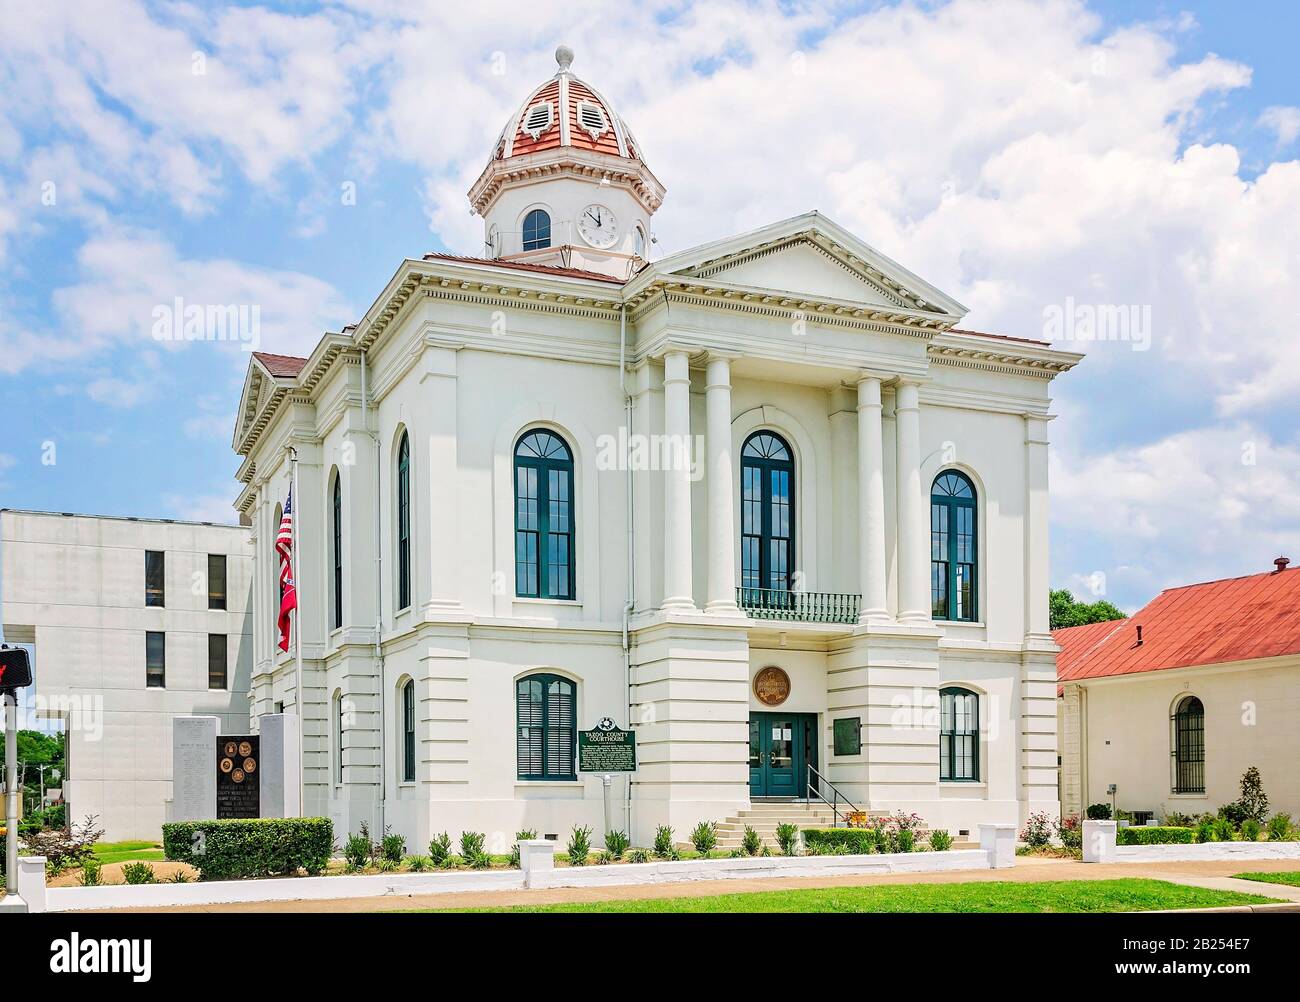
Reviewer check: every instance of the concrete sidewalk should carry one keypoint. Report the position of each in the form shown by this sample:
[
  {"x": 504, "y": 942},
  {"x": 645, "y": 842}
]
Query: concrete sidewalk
[{"x": 1209, "y": 873}]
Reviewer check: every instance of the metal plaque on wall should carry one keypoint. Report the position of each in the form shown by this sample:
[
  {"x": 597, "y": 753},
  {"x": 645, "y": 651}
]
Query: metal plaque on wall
[{"x": 238, "y": 793}]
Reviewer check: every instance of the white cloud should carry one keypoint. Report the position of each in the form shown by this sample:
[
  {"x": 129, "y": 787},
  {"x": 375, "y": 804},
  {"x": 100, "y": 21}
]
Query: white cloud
[
  {"x": 202, "y": 507},
  {"x": 1283, "y": 120},
  {"x": 117, "y": 392}
]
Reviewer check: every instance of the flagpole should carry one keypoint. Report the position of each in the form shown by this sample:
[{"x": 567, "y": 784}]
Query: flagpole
[{"x": 299, "y": 696}]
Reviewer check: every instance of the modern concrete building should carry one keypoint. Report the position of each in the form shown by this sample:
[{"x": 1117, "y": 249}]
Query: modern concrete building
[
  {"x": 760, "y": 500},
  {"x": 133, "y": 621},
  {"x": 1174, "y": 704}
]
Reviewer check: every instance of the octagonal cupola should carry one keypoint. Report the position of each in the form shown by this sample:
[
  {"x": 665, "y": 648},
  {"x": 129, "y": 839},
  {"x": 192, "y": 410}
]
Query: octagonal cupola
[{"x": 566, "y": 184}]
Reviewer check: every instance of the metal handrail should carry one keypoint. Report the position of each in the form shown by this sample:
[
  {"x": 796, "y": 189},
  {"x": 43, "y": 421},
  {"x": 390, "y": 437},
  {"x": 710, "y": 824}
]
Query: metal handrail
[
  {"x": 800, "y": 606},
  {"x": 832, "y": 804}
]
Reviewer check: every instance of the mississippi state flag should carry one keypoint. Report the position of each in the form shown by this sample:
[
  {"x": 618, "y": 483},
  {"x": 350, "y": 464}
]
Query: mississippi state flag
[{"x": 288, "y": 593}]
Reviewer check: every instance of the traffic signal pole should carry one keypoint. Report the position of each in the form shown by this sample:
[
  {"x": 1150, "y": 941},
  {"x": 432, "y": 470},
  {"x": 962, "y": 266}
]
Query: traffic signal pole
[{"x": 11, "y": 792}]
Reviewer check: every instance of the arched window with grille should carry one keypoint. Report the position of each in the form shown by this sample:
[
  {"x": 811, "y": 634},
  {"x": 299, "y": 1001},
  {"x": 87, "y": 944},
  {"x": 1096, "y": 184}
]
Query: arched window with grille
[
  {"x": 404, "y": 522},
  {"x": 537, "y": 230},
  {"x": 953, "y": 547},
  {"x": 546, "y": 717},
  {"x": 408, "y": 731},
  {"x": 1189, "y": 746},
  {"x": 959, "y": 735},
  {"x": 767, "y": 518},
  {"x": 544, "y": 517}
]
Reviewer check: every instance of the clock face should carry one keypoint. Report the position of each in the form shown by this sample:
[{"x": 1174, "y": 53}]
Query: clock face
[{"x": 598, "y": 226}]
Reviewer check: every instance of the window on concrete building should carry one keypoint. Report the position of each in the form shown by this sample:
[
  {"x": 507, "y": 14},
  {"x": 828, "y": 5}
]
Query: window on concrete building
[
  {"x": 544, "y": 517},
  {"x": 336, "y": 553},
  {"x": 1189, "y": 746},
  {"x": 404, "y": 522},
  {"x": 155, "y": 660},
  {"x": 766, "y": 517},
  {"x": 155, "y": 574},
  {"x": 408, "y": 731},
  {"x": 216, "y": 661},
  {"x": 216, "y": 580},
  {"x": 546, "y": 712},
  {"x": 537, "y": 230},
  {"x": 959, "y": 735},
  {"x": 952, "y": 547}
]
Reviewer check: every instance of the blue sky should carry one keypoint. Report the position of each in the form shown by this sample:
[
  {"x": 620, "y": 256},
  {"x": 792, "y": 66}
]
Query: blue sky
[{"x": 1016, "y": 154}]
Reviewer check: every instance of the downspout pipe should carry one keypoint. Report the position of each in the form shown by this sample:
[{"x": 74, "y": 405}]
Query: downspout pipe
[
  {"x": 366, "y": 406},
  {"x": 631, "y": 548}
]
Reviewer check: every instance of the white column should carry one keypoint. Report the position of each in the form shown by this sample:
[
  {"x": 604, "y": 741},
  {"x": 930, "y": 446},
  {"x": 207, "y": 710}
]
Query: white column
[
  {"x": 677, "y": 482},
  {"x": 1037, "y": 566},
  {"x": 871, "y": 503},
  {"x": 913, "y": 597},
  {"x": 722, "y": 530}
]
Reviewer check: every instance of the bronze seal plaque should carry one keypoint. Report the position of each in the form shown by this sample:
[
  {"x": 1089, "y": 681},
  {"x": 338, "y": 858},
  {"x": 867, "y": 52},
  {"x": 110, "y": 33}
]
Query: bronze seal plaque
[{"x": 772, "y": 686}]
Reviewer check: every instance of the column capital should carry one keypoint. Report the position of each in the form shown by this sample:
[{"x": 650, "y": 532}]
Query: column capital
[{"x": 718, "y": 371}]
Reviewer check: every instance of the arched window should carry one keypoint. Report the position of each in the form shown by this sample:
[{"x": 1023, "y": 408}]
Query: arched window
[
  {"x": 408, "y": 731},
  {"x": 1189, "y": 746},
  {"x": 336, "y": 551},
  {"x": 338, "y": 736},
  {"x": 959, "y": 735},
  {"x": 543, "y": 517},
  {"x": 766, "y": 514},
  {"x": 952, "y": 547},
  {"x": 546, "y": 713},
  {"x": 537, "y": 230},
  {"x": 638, "y": 242},
  {"x": 404, "y": 522}
]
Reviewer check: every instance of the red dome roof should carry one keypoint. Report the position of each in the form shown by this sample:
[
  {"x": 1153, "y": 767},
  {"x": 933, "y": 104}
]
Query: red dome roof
[{"x": 565, "y": 112}]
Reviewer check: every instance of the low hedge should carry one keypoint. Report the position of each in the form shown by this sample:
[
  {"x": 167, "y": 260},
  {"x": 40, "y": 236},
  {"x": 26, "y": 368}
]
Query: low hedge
[
  {"x": 858, "y": 841},
  {"x": 1155, "y": 835},
  {"x": 256, "y": 847}
]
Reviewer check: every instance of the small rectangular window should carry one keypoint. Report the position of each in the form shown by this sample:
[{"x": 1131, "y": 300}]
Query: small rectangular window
[
  {"x": 216, "y": 661},
  {"x": 155, "y": 660},
  {"x": 216, "y": 580},
  {"x": 155, "y": 574}
]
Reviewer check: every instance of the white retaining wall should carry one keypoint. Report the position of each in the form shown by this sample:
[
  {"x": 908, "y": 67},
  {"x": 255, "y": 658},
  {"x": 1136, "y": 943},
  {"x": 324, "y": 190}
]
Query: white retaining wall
[{"x": 1099, "y": 846}]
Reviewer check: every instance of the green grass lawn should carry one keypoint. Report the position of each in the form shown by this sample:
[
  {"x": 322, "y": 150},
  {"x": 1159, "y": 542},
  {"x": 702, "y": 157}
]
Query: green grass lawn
[
  {"x": 1126, "y": 895},
  {"x": 1291, "y": 878},
  {"x": 122, "y": 852}
]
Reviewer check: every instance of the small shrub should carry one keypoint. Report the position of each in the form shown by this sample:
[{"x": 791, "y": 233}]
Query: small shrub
[
  {"x": 1254, "y": 801},
  {"x": 480, "y": 860},
  {"x": 356, "y": 852},
  {"x": 579, "y": 847},
  {"x": 616, "y": 843},
  {"x": 1070, "y": 832},
  {"x": 665, "y": 848},
  {"x": 1279, "y": 827},
  {"x": 736, "y": 854},
  {"x": 393, "y": 848},
  {"x": 906, "y": 840},
  {"x": 91, "y": 870},
  {"x": 471, "y": 844},
  {"x": 418, "y": 864},
  {"x": 250, "y": 847},
  {"x": 705, "y": 838},
  {"x": 787, "y": 837},
  {"x": 1177, "y": 819},
  {"x": 527, "y": 835},
  {"x": 62, "y": 849},
  {"x": 450, "y": 862},
  {"x": 751, "y": 842},
  {"x": 638, "y": 856},
  {"x": 1223, "y": 830},
  {"x": 1154, "y": 835},
  {"x": 1204, "y": 831},
  {"x": 604, "y": 857},
  {"x": 1038, "y": 830},
  {"x": 440, "y": 849},
  {"x": 386, "y": 865},
  {"x": 180, "y": 877},
  {"x": 138, "y": 873},
  {"x": 1099, "y": 812},
  {"x": 940, "y": 840},
  {"x": 822, "y": 841},
  {"x": 1250, "y": 830}
]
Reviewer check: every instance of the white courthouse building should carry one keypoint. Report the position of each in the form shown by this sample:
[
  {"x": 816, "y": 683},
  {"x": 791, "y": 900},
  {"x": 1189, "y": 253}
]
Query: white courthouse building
[
  {"x": 132, "y": 622},
  {"x": 760, "y": 500}
]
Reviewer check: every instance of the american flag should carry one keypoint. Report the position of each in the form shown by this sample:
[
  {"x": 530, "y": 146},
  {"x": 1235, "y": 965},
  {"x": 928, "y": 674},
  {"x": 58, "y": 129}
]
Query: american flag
[{"x": 288, "y": 593}]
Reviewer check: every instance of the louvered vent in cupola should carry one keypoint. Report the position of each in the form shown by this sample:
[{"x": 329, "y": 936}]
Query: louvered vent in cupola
[
  {"x": 592, "y": 118},
  {"x": 538, "y": 119}
]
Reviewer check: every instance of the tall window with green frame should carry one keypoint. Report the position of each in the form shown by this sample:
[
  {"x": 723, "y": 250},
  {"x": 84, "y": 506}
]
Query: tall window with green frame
[
  {"x": 546, "y": 715},
  {"x": 766, "y": 513},
  {"x": 544, "y": 517},
  {"x": 959, "y": 735},
  {"x": 953, "y": 547},
  {"x": 408, "y": 731},
  {"x": 404, "y": 522}
]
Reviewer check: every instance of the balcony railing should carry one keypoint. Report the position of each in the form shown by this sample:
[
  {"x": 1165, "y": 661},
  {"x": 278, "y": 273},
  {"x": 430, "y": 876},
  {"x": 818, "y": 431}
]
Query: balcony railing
[{"x": 799, "y": 606}]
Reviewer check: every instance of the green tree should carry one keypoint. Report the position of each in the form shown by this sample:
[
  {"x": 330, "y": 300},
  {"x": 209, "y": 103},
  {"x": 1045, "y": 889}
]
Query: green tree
[{"x": 1066, "y": 610}]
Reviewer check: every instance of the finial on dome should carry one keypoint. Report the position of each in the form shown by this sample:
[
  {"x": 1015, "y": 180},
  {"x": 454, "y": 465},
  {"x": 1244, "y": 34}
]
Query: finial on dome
[{"x": 564, "y": 56}]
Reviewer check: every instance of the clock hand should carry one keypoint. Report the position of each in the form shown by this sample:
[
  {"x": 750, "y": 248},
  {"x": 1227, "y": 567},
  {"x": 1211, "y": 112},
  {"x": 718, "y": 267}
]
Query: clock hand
[{"x": 592, "y": 218}]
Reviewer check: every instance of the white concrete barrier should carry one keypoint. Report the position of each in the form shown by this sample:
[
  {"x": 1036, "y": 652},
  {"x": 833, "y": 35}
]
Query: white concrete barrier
[
  {"x": 1100, "y": 846},
  {"x": 1099, "y": 841},
  {"x": 999, "y": 841},
  {"x": 30, "y": 879}
]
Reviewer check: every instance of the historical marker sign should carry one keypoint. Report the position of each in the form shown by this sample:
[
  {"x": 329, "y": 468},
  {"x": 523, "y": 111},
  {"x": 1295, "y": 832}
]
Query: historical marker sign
[
  {"x": 238, "y": 770},
  {"x": 607, "y": 749}
]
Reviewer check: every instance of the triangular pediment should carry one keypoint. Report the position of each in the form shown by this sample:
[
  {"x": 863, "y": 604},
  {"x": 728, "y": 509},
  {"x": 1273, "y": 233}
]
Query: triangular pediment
[{"x": 811, "y": 257}]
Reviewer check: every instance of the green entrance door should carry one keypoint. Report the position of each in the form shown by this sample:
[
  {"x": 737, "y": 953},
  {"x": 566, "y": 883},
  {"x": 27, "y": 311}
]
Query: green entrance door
[{"x": 781, "y": 746}]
